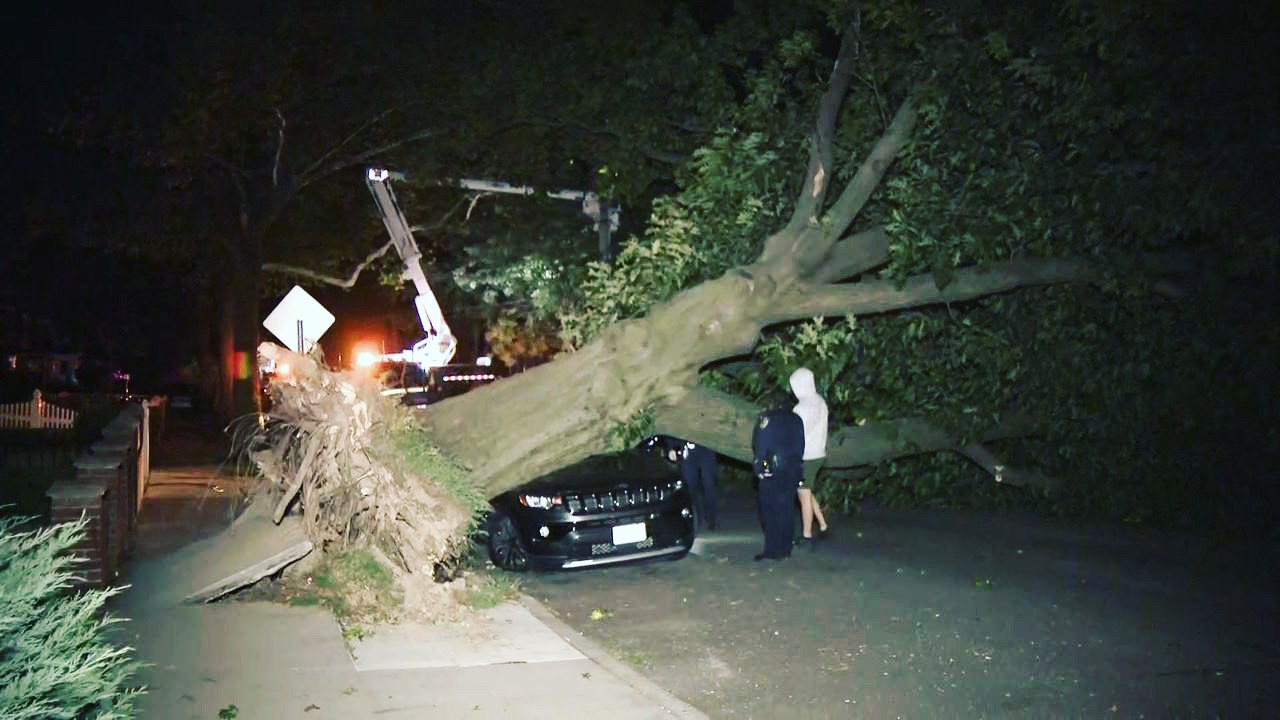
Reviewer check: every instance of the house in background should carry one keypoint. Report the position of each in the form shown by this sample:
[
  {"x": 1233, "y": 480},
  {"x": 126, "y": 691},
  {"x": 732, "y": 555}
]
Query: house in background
[{"x": 33, "y": 356}]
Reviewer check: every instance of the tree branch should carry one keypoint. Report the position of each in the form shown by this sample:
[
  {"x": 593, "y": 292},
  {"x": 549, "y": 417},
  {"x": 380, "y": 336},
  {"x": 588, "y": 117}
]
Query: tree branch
[
  {"x": 347, "y": 283},
  {"x": 858, "y": 191},
  {"x": 687, "y": 127},
  {"x": 878, "y": 296},
  {"x": 724, "y": 423},
  {"x": 854, "y": 255},
  {"x": 237, "y": 177},
  {"x": 819, "y": 173},
  {"x": 236, "y": 174},
  {"x": 710, "y": 418},
  {"x": 321, "y": 172},
  {"x": 344, "y": 142},
  {"x": 350, "y": 280},
  {"x": 1005, "y": 474},
  {"x": 275, "y": 168},
  {"x": 858, "y": 445},
  {"x": 662, "y": 156}
]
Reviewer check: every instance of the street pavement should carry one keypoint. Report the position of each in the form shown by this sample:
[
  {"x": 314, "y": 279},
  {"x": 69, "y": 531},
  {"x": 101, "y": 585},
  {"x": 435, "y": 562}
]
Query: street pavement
[{"x": 261, "y": 660}]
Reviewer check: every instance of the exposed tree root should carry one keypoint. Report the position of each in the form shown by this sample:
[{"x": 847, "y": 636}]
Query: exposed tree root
[{"x": 356, "y": 468}]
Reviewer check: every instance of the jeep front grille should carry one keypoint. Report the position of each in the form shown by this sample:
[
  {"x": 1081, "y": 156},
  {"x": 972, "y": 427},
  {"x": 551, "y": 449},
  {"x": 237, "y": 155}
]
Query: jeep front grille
[{"x": 618, "y": 499}]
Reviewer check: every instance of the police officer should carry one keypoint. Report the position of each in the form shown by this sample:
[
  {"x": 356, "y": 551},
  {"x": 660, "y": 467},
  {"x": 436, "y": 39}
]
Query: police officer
[
  {"x": 698, "y": 468},
  {"x": 777, "y": 445}
]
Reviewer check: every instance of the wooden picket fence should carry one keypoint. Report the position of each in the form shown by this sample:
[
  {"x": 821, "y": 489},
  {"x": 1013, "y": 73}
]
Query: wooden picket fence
[{"x": 36, "y": 415}]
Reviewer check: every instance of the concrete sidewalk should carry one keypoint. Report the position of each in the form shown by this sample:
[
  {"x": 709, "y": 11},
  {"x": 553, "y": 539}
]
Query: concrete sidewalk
[{"x": 273, "y": 661}]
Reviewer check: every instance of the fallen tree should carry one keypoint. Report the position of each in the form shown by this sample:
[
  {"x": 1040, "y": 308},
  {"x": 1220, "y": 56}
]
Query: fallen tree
[
  {"x": 645, "y": 371},
  {"x": 651, "y": 364},
  {"x": 338, "y": 449}
]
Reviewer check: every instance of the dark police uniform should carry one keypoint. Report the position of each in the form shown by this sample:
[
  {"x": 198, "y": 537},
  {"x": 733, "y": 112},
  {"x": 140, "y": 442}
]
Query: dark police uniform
[
  {"x": 777, "y": 445},
  {"x": 698, "y": 468}
]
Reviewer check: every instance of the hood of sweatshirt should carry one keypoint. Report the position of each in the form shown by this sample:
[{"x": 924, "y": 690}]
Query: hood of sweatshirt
[
  {"x": 802, "y": 384},
  {"x": 812, "y": 410}
]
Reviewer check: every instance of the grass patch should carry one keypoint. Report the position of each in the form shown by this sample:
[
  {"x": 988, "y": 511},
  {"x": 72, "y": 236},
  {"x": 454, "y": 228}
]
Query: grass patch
[
  {"x": 354, "y": 586},
  {"x": 487, "y": 586},
  {"x": 306, "y": 598},
  {"x": 358, "y": 590},
  {"x": 490, "y": 587},
  {"x": 425, "y": 460},
  {"x": 352, "y": 633}
]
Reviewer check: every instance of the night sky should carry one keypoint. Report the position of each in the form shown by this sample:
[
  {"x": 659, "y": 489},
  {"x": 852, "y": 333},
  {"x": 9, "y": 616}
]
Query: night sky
[
  {"x": 53, "y": 55},
  {"x": 59, "y": 59}
]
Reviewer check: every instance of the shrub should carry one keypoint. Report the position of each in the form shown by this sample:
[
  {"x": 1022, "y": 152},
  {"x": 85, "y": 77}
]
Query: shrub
[{"x": 55, "y": 658}]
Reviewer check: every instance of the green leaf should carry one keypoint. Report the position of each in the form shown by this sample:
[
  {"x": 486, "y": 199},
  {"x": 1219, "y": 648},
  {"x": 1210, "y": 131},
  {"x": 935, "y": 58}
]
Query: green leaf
[{"x": 942, "y": 277}]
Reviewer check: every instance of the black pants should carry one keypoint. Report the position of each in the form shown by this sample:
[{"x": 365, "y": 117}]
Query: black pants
[
  {"x": 777, "y": 498},
  {"x": 699, "y": 472}
]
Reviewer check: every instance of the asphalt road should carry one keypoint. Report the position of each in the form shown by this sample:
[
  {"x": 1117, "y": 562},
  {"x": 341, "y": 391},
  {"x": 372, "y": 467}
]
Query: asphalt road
[{"x": 937, "y": 614}]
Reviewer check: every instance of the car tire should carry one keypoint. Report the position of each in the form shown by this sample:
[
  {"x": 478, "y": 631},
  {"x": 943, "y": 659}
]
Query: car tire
[
  {"x": 506, "y": 549},
  {"x": 684, "y": 552}
]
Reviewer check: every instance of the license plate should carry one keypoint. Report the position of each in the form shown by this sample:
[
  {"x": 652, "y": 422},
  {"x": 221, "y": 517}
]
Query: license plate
[{"x": 625, "y": 534}]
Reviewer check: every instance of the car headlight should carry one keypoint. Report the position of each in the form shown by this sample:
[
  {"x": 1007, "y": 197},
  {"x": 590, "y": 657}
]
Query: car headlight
[
  {"x": 542, "y": 502},
  {"x": 677, "y": 485}
]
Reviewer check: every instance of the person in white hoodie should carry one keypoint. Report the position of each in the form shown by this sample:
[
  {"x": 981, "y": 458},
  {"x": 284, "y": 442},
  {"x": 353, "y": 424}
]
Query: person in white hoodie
[{"x": 812, "y": 410}]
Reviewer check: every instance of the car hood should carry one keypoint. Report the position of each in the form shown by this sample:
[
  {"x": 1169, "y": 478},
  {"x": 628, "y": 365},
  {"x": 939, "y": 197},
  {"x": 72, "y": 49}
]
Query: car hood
[{"x": 607, "y": 471}]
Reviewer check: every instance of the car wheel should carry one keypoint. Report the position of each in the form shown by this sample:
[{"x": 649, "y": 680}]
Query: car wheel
[{"x": 506, "y": 550}]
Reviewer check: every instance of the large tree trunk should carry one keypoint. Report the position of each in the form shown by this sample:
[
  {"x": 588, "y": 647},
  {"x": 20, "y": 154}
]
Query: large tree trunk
[
  {"x": 206, "y": 349},
  {"x": 245, "y": 388},
  {"x": 561, "y": 412},
  {"x": 224, "y": 382},
  {"x": 236, "y": 387}
]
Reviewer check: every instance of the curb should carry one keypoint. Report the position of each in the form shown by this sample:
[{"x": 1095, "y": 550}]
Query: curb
[{"x": 673, "y": 705}]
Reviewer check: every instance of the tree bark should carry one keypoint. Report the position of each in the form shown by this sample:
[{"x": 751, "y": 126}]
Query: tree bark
[{"x": 558, "y": 413}]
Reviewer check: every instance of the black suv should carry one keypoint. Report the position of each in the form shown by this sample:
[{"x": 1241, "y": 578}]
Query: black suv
[{"x": 606, "y": 509}]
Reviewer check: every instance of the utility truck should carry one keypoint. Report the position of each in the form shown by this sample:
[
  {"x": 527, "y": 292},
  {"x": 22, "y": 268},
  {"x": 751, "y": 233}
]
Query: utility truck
[{"x": 438, "y": 347}]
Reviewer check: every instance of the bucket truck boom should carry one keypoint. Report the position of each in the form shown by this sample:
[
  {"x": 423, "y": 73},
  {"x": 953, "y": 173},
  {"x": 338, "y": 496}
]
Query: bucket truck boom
[{"x": 438, "y": 347}]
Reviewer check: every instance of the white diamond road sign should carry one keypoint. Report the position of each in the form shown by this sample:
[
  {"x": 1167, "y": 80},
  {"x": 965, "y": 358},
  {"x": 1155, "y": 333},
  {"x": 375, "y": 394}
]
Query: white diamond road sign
[{"x": 298, "y": 307}]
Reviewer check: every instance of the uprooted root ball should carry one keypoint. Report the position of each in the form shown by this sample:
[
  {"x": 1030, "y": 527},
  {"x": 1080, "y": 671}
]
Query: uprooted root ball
[{"x": 364, "y": 476}]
